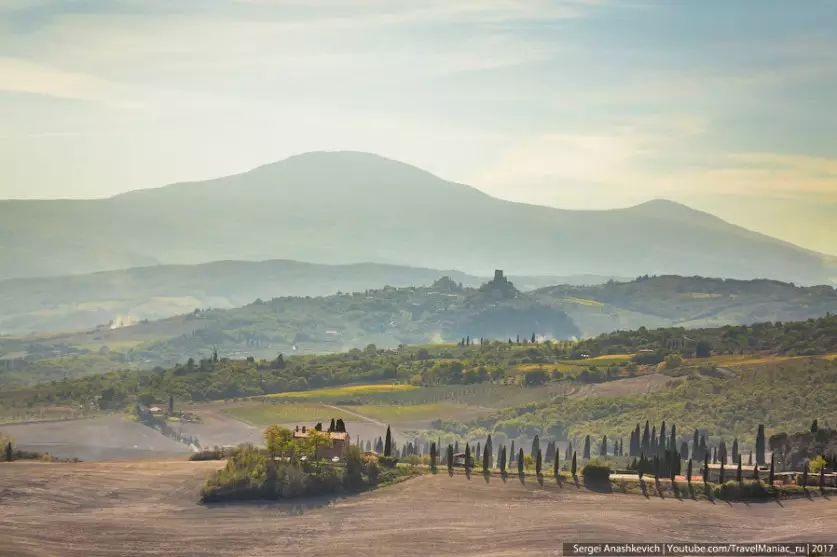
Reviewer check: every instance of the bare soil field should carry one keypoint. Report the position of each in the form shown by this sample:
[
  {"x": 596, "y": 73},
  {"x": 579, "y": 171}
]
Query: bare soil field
[
  {"x": 101, "y": 438},
  {"x": 148, "y": 508}
]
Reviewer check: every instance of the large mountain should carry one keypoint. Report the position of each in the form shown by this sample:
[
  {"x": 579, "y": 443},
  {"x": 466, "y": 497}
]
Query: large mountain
[{"x": 346, "y": 207}]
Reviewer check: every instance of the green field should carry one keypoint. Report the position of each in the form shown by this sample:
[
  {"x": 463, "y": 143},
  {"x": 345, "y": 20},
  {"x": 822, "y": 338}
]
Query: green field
[
  {"x": 266, "y": 414},
  {"x": 347, "y": 391},
  {"x": 418, "y": 412}
]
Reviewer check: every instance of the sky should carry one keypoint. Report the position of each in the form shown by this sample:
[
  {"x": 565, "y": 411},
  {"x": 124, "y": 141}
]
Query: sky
[{"x": 727, "y": 106}]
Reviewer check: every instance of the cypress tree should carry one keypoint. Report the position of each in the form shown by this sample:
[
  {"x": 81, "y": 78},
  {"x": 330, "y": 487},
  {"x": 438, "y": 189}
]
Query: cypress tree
[
  {"x": 772, "y": 469},
  {"x": 735, "y": 455},
  {"x": 556, "y": 468},
  {"x": 673, "y": 444},
  {"x": 171, "y": 404},
  {"x": 489, "y": 444},
  {"x": 672, "y": 469},
  {"x": 520, "y": 462},
  {"x": 450, "y": 458},
  {"x": 822, "y": 475},
  {"x": 574, "y": 467},
  {"x": 721, "y": 473},
  {"x": 433, "y": 457},
  {"x": 689, "y": 472},
  {"x": 684, "y": 449},
  {"x": 714, "y": 455},
  {"x": 538, "y": 463},
  {"x": 331, "y": 426},
  {"x": 814, "y": 426},
  {"x": 739, "y": 475},
  {"x": 695, "y": 445},
  {"x": 550, "y": 451},
  {"x": 603, "y": 448},
  {"x": 536, "y": 446},
  {"x": 8, "y": 451},
  {"x": 760, "y": 446},
  {"x": 467, "y": 457},
  {"x": 512, "y": 452},
  {"x": 637, "y": 447},
  {"x": 805, "y": 477},
  {"x": 569, "y": 451},
  {"x": 486, "y": 459},
  {"x": 661, "y": 446},
  {"x": 587, "y": 448},
  {"x": 750, "y": 460},
  {"x": 645, "y": 447},
  {"x": 706, "y": 468},
  {"x": 641, "y": 465},
  {"x": 656, "y": 466},
  {"x": 722, "y": 452},
  {"x": 654, "y": 446},
  {"x": 702, "y": 448},
  {"x": 456, "y": 447},
  {"x": 478, "y": 452},
  {"x": 387, "y": 443}
]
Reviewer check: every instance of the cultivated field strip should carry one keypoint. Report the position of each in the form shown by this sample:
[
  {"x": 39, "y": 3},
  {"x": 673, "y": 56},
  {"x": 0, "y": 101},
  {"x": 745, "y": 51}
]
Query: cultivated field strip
[{"x": 148, "y": 508}]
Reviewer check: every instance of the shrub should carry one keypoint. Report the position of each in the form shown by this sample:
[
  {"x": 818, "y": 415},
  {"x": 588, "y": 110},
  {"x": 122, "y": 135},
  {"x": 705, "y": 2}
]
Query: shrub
[
  {"x": 596, "y": 470},
  {"x": 372, "y": 471},
  {"x": 388, "y": 461}
]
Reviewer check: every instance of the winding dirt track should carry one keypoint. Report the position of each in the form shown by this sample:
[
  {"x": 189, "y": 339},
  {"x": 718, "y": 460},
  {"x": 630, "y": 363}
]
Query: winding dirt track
[{"x": 148, "y": 508}]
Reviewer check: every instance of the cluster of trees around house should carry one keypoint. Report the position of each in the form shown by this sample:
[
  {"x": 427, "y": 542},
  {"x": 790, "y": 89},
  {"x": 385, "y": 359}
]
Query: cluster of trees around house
[{"x": 160, "y": 423}]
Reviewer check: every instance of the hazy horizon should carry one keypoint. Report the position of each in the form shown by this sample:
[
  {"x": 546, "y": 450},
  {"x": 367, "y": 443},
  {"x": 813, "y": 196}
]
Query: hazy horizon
[{"x": 573, "y": 104}]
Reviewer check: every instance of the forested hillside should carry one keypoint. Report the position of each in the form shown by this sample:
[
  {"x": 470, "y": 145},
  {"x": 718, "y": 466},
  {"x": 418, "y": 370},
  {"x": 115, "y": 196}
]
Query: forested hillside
[{"x": 445, "y": 311}]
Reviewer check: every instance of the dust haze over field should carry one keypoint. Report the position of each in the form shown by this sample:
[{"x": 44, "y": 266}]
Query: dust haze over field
[{"x": 149, "y": 508}]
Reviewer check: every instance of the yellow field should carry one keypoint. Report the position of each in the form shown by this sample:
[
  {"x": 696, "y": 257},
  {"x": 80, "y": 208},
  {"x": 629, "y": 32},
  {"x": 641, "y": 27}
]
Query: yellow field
[
  {"x": 266, "y": 414},
  {"x": 584, "y": 302},
  {"x": 562, "y": 367},
  {"x": 349, "y": 390}
]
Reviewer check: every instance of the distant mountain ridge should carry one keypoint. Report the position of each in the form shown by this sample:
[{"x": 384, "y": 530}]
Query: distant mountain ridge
[{"x": 346, "y": 207}]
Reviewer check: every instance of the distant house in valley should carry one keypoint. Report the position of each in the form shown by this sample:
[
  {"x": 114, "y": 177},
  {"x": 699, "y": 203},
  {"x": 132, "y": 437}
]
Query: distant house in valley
[
  {"x": 459, "y": 460},
  {"x": 340, "y": 442},
  {"x": 155, "y": 410}
]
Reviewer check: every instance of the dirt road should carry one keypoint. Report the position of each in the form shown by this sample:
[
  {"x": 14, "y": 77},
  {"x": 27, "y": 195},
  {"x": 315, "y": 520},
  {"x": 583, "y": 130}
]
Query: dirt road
[{"x": 148, "y": 508}]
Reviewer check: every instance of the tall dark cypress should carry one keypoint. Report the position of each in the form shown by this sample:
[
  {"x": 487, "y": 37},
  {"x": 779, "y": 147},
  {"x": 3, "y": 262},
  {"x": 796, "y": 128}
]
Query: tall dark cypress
[
  {"x": 513, "y": 454},
  {"x": 538, "y": 463},
  {"x": 8, "y": 448},
  {"x": 735, "y": 455},
  {"x": 556, "y": 467},
  {"x": 645, "y": 447},
  {"x": 772, "y": 469},
  {"x": 706, "y": 467},
  {"x": 739, "y": 473},
  {"x": 760, "y": 446},
  {"x": 574, "y": 467},
  {"x": 467, "y": 457},
  {"x": 387, "y": 443},
  {"x": 703, "y": 449},
  {"x": 478, "y": 452},
  {"x": 536, "y": 446},
  {"x": 695, "y": 445},
  {"x": 450, "y": 458},
  {"x": 673, "y": 443},
  {"x": 486, "y": 459},
  {"x": 520, "y": 462},
  {"x": 653, "y": 446},
  {"x": 689, "y": 471},
  {"x": 721, "y": 476},
  {"x": 637, "y": 447},
  {"x": 661, "y": 445},
  {"x": 433, "y": 456},
  {"x": 603, "y": 448},
  {"x": 587, "y": 447}
]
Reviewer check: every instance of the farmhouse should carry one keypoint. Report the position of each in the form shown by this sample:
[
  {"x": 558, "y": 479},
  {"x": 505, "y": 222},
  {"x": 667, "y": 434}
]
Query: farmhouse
[
  {"x": 340, "y": 441},
  {"x": 459, "y": 460}
]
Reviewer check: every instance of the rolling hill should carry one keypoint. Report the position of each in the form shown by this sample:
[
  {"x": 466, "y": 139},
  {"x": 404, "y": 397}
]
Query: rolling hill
[
  {"x": 391, "y": 316},
  {"x": 346, "y": 207},
  {"x": 83, "y": 301}
]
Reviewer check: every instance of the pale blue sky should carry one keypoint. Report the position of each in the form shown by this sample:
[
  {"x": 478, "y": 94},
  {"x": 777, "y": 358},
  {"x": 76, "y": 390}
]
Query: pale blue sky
[{"x": 727, "y": 106}]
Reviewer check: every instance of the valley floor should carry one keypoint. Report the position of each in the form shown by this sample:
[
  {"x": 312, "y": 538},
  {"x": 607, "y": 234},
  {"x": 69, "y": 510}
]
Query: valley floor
[{"x": 149, "y": 508}]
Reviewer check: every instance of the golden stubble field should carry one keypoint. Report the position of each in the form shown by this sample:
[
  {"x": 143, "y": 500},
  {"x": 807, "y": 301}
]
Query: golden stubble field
[{"x": 149, "y": 508}]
